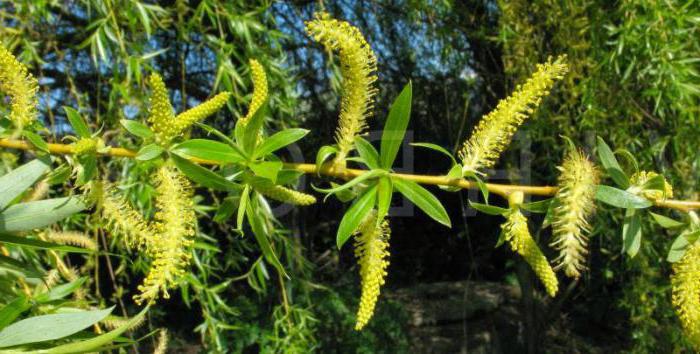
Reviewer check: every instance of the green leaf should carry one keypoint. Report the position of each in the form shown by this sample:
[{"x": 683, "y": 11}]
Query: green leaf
[
  {"x": 665, "y": 221},
  {"x": 367, "y": 152},
  {"x": 77, "y": 122},
  {"x": 208, "y": 150},
  {"x": 34, "y": 243},
  {"x": 60, "y": 291},
  {"x": 422, "y": 198},
  {"x": 26, "y": 270},
  {"x": 203, "y": 176},
  {"x": 93, "y": 344},
  {"x": 226, "y": 209},
  {"x": 488, "y": 209},
  {"x": 385, "y": 190},
  {"x": 395, "y": 127},
  {"x": 680, "y": 245},
  {"x": 621, "y": 199},
  {"x": 455, "y": 173},
  {"x": 247, "y": 135},
  {"x": 267, "y": 169},
  {"x": 632, "y": 232},
  {"x": 34, "y": 215},
  {"x": 324, "y": 153},
  {"x": 439, "y": 149},
  {"x": 540, "y": 206},
  {"x": 609, "y": 161},
  {"x": 137, "y": 128},
  {"x": 88, "y": 170},
  {"x": 242, "y": 207},
  {"x": 149, "y": 152},
  {"x": 278, "y": 141},
  {"x": 355, "y": 215},
  {"x": 18, "y": 180},
  {"x": 361, "y": 178},
  {"x": 262, "y": 237},
  {"x": 49, "y": 327},
  {"x": 13, "y": 309},
  {"x": 36, "y": 140}
]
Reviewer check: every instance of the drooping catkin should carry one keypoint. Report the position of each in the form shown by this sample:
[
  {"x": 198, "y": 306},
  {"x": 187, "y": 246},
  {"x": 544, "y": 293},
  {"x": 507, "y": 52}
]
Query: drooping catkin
[
  {"x": 124, "y": 220},
  {"x": 495, "y": 131},
  {"x": 358, "y": 66},
  {"x": 371, "y": 251},
  {"x": 176, "y": 223},
  {"x": 284, "y": 194},
  {"x": 162, "y": 344},
  {"x": 21, "y": 86},
  {"x": 73, "y": 238},
  {"x": 685, "y": 283},
  {"x": 576, "y": 202},
  {"x": 518, "y": 236},
  {"x": 259, "y": 90}
]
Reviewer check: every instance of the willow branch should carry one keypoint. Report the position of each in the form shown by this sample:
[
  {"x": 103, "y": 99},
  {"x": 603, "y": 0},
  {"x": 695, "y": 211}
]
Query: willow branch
[{"x": 503, "y": 190}]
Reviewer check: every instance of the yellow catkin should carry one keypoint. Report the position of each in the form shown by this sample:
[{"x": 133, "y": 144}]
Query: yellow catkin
[
  {"x": 495, "y": 131},
  {"x": 371, "y": 251},
  {"x": 125, "y": 221},
  {"x": 171, "y": 247},
  {"x": 21, "y": 86},
  {"x": 577, "y": 187},
  {"x": 162, "y": 344},
  {"x": 640, "y": 178},
  {"x": 113, "y": 322},
  {"x": 161, "y": 114},
  {"x": 358, "y": 66},
  {"x": 71, "y": 238},
  {"x": 286, "y": 195},
  {"x": 193, "y": 115},
  {"x": 518, "y": 236},
  {"x": 84, "y": 146},
  {"x": 259, "y": 90},
  {"x": 685, "y": 283},
  {"x": 40, "y": 191}
]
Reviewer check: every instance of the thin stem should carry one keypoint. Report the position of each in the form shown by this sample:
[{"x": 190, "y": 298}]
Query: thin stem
[{"x": 503, "y": 190}]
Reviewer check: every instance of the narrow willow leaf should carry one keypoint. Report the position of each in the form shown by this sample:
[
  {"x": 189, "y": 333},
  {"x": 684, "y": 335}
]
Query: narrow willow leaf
[
  {"x": 60, "y": 291},
  {"x": 203, "y": 176},
  {"x": 385, "y": 190},
  {"x": 437, "y": 148},
  {"x": 423, "y": 199},
  {"x": 395, "y": 127},
  {"x": 49, "y": 327},
  {"x": 18, "y": 180},
  {"x": 39, "y": 244},
  {"x": 261, "y": 235},
  {"x": 488, "y": 209},
  {"x": 607, "y": 158},
  {"x": 137, "y": 128},
  {"x": 455, "y": 173},
  {"x": 354, "y": 215},
  {"x": 77, "y": 122},
  {"x": 13, "y": 309},
  {"x": 267, "y": 169},
  {"x": 279, "y": 140},
  {"x": 228, "y": 206},
  {"x": 540, "y": 206},
  {"x": 208, "y": 150},
  {"x": 324, "y": 153},
  {"x": 621, "y": 199},
  {"x": 367, "y": 152},
  {"x": 34, "y": 215},
  {"x": 247, "y": 135},
  {"x": 353, "y": 182},
  {"x": 149, "y": 152},
  {"x": 242, "y": 207},
  {"x": 665, "y": 221},
  {"x": 36, "y": 140},
  {"x": 26, "y": 270},
  {"x": 680, "y": 245},
  {"x": 632, "y": 232}
]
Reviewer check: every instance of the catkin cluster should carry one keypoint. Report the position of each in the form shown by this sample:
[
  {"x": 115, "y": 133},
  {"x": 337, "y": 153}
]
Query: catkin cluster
[
  {"x": 167, "y": 239},
  {"x": 358, "y": 66},
  {"x": 517, "y": 234},
  {"x": 578, "y": 181},
  {"x": 639, "y": 179},
  {"x": 685, "y": 283},
  {"x": 166, "y": 126},
  {"x": 259, "y": 90},
  {"x": 21, "y": 86},
  {"x": 371, "y": 251},
  {"x": 495, "y": 131}
]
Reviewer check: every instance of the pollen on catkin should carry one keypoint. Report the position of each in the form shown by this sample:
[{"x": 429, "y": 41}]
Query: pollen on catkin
[
  {"x": 518, "y": 236},
  {"x": 495, "y": 131},
  {"x": 685, "y": 283},
  {"x": 358, "y": 66},
  {"x": 125, "y": 221},
  {"x": 176, "y": 223},
  {"x": 286, "y": 195},
  {"x": 259, "y": 90},
  {"x": 161, "y": 114},
  {"x": 577, "y": 187},
  {"x": 642, "y": 177},
  {"x": 371, "y": 251},
  {"x": 21, "y": 86}
]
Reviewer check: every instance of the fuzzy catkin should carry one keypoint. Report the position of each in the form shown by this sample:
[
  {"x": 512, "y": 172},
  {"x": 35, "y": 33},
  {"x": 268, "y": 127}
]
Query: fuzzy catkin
[
  {"x": 124, "y": 220},
  {"x": 74, "y": 238},
  {"x": 286, "y": 195},
  {"x": 495, "y": 131},
  {"x": 576, "y": 202},
  {"x": 371, "y": 251},
  {"x": 685, "y": 283},
  {"x": 640, "y": 178},
  {"x": 161, "y": 114},
  {"x": 259, "y": 90},
  {"x": 21, "y": 86},
  {"x": 358, "y": 66},
  {"x": 193, "y": 115},
  {"x": 518, "y": 236}
]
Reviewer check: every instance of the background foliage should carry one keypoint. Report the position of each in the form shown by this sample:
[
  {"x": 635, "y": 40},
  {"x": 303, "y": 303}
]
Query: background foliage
[{"x": 634, "y": 80}]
